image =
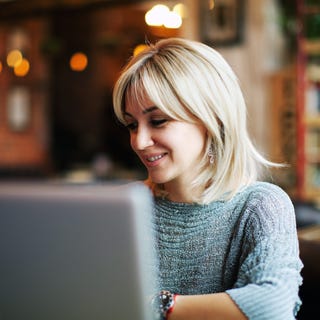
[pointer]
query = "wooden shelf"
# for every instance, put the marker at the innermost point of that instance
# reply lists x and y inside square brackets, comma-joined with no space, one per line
[307,104]
[312,193]
[313,159]
[311,47]
[310,233]
[312,121]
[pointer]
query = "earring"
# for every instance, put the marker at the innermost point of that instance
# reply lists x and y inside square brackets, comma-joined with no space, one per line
[211,155]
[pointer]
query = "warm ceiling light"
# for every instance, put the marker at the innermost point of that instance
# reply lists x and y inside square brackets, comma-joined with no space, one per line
[157,15]
[22,69]
[78,61]
[172,21]
[139,48]
[160,15]
[14,58]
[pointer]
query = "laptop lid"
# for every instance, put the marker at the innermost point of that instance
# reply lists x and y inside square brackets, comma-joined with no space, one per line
[75,252]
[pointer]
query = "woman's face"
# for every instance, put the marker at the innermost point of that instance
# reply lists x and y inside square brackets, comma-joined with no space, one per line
[171,150]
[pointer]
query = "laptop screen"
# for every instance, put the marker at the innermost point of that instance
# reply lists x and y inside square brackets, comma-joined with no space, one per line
[75,252]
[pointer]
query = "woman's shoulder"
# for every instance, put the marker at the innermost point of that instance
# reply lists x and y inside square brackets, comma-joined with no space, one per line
[268,207]
[265,198]
[265,191]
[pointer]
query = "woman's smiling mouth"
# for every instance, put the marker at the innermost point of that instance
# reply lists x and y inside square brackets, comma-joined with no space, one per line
[154,158]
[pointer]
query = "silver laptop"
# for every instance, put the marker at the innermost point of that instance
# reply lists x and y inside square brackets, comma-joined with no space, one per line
[75,252]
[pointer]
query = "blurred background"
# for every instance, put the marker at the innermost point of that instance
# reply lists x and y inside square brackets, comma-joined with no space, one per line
[59,60]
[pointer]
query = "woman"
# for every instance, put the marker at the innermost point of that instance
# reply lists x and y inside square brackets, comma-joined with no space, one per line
[227,244]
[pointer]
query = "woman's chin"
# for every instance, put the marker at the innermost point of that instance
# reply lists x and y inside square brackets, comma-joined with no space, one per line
[157,180]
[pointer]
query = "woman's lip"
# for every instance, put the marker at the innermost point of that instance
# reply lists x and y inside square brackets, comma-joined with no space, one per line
[153,159]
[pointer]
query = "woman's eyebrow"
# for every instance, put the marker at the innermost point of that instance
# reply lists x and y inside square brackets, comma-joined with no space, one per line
[150,109]
[145,111]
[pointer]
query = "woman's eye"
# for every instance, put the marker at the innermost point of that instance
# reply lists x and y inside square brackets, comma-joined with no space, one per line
[158,122]
[131,126]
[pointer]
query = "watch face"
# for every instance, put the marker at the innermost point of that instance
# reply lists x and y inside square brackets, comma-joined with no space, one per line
[165,300]
[162,303]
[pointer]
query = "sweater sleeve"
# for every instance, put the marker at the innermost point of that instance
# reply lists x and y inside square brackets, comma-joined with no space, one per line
[269,277]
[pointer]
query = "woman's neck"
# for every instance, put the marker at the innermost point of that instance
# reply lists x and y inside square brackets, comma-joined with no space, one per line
[181,193]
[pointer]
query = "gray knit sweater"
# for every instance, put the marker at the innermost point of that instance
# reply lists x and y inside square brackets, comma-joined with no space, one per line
[246,247]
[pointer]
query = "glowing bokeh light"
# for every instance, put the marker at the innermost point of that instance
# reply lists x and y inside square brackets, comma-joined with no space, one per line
[152,19]
[161,10]
[78,61]
[139,48]
[173,20]
[14,58]
[1,67]
[22,69]
[157,15]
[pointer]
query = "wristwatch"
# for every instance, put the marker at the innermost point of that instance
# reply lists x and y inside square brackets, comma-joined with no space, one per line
[162,304]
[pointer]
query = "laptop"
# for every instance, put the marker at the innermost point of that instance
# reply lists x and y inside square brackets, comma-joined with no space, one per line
[75,252]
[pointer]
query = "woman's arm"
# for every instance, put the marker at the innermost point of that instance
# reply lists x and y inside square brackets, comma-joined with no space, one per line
[206,307]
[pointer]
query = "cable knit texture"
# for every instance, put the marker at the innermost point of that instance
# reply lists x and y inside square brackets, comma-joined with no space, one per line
[246,246]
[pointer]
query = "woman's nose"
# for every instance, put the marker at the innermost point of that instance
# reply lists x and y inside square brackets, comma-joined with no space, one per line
[141,139]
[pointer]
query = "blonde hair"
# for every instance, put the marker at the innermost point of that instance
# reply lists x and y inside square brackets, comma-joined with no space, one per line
[192,82]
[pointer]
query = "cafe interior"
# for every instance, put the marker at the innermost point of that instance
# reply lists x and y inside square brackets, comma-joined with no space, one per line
[59,60]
